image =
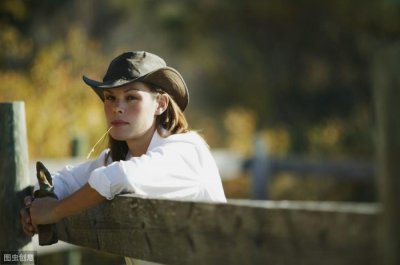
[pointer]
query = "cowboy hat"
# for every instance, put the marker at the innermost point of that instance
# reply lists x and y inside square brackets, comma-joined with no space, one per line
[146,67]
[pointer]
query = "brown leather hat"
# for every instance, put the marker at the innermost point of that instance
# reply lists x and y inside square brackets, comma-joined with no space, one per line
[142,66]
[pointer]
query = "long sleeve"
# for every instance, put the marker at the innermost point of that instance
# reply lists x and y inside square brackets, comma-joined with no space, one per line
[179,167]
[71,178]
[176,167]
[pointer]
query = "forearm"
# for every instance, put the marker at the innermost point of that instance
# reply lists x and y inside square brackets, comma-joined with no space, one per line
[83,199]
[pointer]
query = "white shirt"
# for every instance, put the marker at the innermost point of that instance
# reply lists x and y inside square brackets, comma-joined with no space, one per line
[179,166]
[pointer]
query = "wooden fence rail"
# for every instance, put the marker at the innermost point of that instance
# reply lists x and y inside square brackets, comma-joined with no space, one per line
[238,232]
[353,170]
[263,167]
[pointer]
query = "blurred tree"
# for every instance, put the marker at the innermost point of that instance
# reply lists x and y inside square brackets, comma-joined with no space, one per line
[301,67]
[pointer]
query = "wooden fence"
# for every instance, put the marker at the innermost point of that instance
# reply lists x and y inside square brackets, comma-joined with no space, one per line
[262,167]
[238,232]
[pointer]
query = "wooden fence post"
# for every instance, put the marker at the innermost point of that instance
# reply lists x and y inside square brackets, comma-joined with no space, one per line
[260,169]
[386,82]
[14,175]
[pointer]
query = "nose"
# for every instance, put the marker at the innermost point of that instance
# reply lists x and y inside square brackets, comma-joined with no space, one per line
[118,107]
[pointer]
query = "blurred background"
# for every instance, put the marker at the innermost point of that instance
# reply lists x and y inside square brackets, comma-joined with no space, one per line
[294,76]
[281,90]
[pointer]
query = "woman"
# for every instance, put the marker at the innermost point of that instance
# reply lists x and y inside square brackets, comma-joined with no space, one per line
[151,150]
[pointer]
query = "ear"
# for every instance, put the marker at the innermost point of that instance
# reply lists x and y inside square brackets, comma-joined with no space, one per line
[162,102]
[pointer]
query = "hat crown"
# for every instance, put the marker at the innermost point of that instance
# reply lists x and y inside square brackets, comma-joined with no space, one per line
[146,67]
[132,65]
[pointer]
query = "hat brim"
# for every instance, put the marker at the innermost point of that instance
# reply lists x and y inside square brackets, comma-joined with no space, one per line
[166,78]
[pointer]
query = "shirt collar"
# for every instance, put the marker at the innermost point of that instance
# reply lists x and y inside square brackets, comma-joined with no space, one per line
[155,141]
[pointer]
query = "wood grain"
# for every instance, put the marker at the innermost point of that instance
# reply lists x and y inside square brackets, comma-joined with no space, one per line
[239,232]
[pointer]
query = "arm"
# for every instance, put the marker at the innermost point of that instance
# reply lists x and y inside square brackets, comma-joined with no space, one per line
[83,199]
[49,210]
[70,179]
[171,170]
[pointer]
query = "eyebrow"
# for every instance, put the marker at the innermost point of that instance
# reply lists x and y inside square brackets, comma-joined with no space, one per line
[109,90]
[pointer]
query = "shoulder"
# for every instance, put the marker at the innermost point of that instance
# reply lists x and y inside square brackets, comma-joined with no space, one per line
[183,144]
[182,141]
[190,137]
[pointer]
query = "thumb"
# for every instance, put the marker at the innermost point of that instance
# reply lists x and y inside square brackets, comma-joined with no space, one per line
[28,201]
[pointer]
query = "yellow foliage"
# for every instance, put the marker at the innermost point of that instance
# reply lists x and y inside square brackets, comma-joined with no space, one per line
[286,186]
[327,136]
[277,140]
[59,105]
[208,129]
[240,124]
[16,8]
[12,44]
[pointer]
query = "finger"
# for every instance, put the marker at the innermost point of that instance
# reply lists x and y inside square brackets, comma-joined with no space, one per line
[28,201]
[29,233]
[28,230]
[25,217]
[27,227]
[23,213]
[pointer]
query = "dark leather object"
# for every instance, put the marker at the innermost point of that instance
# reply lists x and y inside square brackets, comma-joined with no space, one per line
[47,233]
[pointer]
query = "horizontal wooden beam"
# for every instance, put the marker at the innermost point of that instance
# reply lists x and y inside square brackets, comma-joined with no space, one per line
[354,170]
[238,232]
[343,169]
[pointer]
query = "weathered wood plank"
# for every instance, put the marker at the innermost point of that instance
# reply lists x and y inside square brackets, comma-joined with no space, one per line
[14,176]
[239,232]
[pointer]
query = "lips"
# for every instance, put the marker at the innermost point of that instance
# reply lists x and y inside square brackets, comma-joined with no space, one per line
[117,123]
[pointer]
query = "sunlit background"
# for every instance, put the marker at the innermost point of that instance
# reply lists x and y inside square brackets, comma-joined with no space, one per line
[295,74]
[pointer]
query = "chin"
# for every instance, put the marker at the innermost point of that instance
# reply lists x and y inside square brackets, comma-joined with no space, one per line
[118,137]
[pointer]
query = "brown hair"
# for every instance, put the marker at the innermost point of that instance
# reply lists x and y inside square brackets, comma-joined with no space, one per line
[171,121]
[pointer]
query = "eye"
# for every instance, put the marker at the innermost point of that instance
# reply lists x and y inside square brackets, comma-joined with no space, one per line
[130,97]
[109,97]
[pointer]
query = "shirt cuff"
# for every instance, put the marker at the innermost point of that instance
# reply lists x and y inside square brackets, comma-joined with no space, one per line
[99,181]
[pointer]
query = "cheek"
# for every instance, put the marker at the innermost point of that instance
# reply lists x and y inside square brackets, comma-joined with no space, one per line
[133,110]
[143,113]
[107,110]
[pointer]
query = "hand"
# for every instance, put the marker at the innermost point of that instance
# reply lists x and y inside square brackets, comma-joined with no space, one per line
[43,211]
[25,218]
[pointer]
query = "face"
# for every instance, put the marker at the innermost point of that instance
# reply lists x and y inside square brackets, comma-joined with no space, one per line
[131,111]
